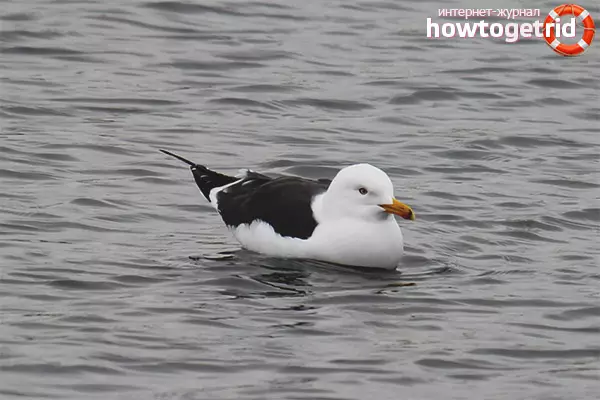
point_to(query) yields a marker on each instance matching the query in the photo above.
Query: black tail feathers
(204, 177)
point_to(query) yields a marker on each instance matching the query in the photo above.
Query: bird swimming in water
(348, 220)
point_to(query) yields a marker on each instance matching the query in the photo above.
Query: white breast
(369, 244)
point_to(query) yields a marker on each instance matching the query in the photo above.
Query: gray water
(118, 281)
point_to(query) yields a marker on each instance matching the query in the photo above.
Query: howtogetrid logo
(552, 29)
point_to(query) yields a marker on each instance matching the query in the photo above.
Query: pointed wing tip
(178, 157)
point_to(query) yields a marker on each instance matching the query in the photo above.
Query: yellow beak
(400, 209)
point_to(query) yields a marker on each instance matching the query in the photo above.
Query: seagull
(348, 220)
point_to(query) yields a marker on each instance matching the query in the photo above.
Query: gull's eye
(362, 191)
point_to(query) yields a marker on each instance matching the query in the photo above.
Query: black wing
(284, 203)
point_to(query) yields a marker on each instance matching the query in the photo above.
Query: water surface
(118, 281)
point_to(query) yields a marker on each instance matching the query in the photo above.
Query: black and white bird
(348, 220)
